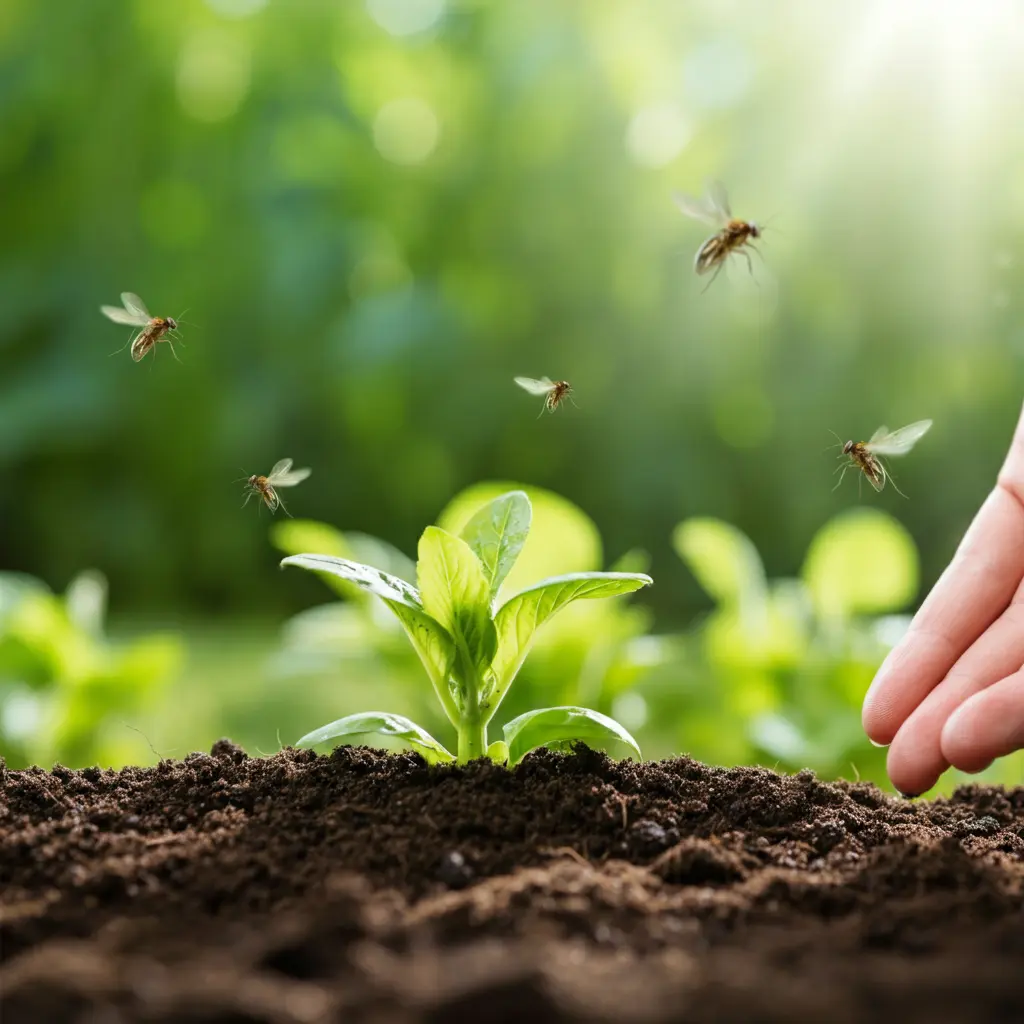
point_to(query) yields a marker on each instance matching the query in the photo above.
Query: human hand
(951, 692)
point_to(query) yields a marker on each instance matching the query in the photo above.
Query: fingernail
(874, 744)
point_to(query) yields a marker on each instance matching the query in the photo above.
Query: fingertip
(986, 726)
(915, 761)
(877, 715)
(961, 740)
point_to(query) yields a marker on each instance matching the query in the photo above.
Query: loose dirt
(360, 886)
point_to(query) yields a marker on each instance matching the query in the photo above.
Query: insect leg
(130, 341)
(886, 475)
(718, 270)
(844, 467)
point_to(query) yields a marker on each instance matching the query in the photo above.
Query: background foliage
(376, 213)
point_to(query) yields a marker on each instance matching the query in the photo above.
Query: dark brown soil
(300, 889)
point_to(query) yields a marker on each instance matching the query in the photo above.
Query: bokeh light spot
(630, 710)
(405, 17)
(406, 131)
(213, 75)
(657, 135)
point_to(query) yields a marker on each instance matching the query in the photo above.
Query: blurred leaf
(558, 727)
(634, 560)
(497, 533)
(86, 601)
(295, 536)
(15, 587)
(521, 616)
(861, 562)
(722, 558)
(778, 737)
(148, 661)
(378, 723)
(456, 593)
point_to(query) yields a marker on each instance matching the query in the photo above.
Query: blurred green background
(372, 214)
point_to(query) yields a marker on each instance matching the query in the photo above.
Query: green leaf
(562, 539)
(558, 726)
(368, 579)
(723, 559)
(380, 723)
(431, 640)
(497, 534)
(300, 536)
(435, 648)
(861, 563)
(519, 618)
(498, 752)
(456, 593)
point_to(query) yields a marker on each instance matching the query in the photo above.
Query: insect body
(282, 475)
(554, 391)
(865, 455)
(732, 234)
(135, 314)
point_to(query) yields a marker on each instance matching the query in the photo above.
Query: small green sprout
(472, 647)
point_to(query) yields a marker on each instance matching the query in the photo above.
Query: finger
(917, 756)
(975, 588)
(986, 726)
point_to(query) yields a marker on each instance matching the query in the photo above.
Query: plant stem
(472, 738)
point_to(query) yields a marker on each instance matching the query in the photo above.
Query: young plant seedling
(470, 648)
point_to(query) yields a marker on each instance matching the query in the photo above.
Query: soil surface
(305, 889)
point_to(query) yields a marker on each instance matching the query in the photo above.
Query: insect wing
(899, 442)
(544, 386)
(719, 199)
(710, 254)
(134, 304)
(289, 478)
(122, 316)
(143, 342)
(699, 209)
(874, 472)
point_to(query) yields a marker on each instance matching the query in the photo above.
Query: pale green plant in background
(776, 672)
(471, 641)
(62, 681)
